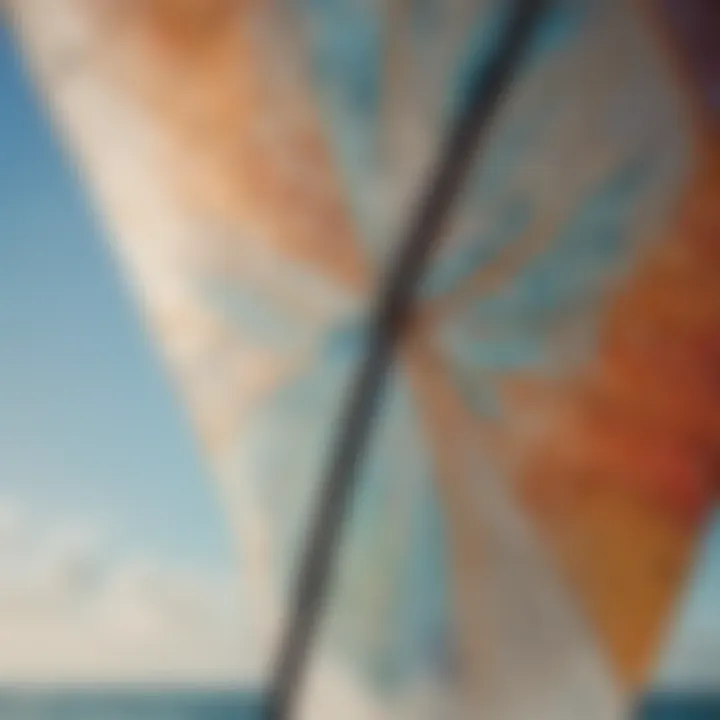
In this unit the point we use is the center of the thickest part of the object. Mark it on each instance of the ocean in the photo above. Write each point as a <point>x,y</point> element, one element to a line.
<point>677,706</point>
<point>98,704</point>
<point>101,704</point>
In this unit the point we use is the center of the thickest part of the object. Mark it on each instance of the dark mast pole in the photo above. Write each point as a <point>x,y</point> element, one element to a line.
<point>391,317</point>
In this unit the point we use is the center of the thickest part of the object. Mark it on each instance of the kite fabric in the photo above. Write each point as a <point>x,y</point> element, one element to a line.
<point>542,465</point>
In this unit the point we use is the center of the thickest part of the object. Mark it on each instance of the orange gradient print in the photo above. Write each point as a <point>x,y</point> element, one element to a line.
<point>624,475</point>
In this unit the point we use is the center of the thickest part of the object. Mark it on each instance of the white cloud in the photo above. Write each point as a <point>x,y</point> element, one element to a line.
<point>67,613</point>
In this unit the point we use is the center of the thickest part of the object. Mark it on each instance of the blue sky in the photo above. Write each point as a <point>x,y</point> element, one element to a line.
<point>88,423</point>
<point>90,430</point>
<point>108,519</point>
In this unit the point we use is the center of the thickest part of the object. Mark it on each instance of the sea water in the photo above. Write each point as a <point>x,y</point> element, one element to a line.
<point>99,704</point>
<point>681,706</point>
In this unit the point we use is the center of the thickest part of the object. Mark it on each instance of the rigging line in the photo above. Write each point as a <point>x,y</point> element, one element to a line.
<point>390,320</point>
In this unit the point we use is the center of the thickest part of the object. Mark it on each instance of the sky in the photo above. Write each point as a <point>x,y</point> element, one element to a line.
<point>103,494</point>
<point>77,368</point>
<point>104,500</point>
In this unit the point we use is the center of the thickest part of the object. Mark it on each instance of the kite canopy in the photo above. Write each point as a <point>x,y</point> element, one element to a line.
<point>541,466</point>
